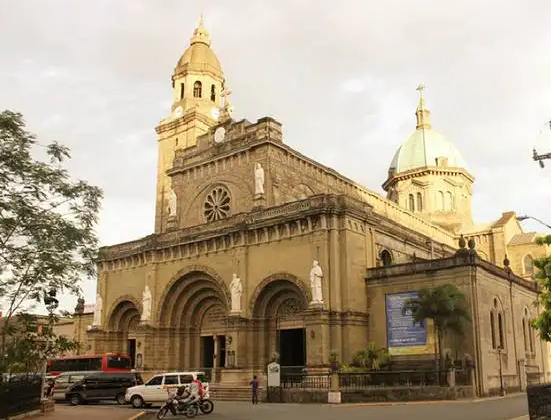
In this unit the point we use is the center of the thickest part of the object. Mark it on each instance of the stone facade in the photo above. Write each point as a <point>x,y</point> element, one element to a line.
<point>212,223</point>
<point>501,306</point>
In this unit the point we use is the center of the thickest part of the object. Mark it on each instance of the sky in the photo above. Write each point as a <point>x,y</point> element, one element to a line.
<point>340,76</point>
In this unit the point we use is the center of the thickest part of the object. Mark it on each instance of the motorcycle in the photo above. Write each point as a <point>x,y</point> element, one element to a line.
<point>190,409</point>
<point>206,405</point>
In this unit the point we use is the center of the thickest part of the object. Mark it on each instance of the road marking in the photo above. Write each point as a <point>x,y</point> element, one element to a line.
<point>137,416</point>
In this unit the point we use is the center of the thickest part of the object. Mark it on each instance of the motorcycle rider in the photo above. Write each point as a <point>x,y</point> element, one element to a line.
<point>196,390</point>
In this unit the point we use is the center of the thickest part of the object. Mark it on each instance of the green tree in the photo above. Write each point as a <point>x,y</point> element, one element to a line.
<point>370,358</point>
<point>543,276</point>
<point>32,341</point>
<point>47,221</point>
<point>446,306</point>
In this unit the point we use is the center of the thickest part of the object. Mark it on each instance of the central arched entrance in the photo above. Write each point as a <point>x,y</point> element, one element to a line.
<point>123,322</point>
<point>279,309</point>
<point>194,313</point>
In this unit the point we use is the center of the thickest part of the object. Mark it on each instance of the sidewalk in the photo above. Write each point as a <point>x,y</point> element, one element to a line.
<point>99,412</point>
<point>434,402</point>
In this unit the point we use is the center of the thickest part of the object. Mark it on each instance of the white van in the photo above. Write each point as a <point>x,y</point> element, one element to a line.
<point>155,391</point>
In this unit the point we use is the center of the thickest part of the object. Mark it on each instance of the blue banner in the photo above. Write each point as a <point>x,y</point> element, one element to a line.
<point>399,328</point>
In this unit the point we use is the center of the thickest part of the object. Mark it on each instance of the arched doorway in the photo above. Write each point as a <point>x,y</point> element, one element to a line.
<point>194,312</point>
<point>124,320</point>
<point>279,311</point>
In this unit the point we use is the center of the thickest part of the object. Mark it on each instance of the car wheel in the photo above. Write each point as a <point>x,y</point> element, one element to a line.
<point>75,399</point>
<point>137,401</point>
<point>120,399</point>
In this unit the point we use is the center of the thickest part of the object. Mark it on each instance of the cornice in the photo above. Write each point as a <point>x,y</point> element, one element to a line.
<point>428,170</point>
<point>381,274</point>
<point>326,204</point>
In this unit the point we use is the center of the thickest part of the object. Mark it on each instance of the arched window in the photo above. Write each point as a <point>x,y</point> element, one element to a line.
<point>449,201</point>
<point>440,200</point>
<point>419,201</point>
<point>500,327</point>
<point>212,93</point>
<point>386,258</point>
<point>493,329</point>
<point>197,89</point>
<point>531,336</point>
<point>528,265</point>
<point>182,91</point>
<point>411,202</point>
<point>525,335</point>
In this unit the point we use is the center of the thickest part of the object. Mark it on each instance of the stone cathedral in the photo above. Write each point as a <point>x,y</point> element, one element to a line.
<point>259,251</point>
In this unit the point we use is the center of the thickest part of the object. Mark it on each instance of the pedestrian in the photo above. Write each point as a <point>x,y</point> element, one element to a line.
<point>254,389</point>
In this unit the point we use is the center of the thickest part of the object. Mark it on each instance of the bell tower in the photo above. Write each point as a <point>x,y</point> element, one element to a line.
<point>197,93</point>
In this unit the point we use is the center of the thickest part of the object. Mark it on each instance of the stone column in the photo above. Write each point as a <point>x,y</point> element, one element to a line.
<point>317,337</point>
<point>147,348</point>
<point>451,378</point>
<point>523,379</point>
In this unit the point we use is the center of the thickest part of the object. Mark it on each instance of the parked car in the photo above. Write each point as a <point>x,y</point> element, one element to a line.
<point>155,391</point>
<point>64,381</point>
<point>102,386</point>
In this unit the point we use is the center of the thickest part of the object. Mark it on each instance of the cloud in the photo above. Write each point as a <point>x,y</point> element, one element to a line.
<point>340,76</point>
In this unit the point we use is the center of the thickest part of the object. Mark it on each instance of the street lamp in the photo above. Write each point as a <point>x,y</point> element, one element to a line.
<point>540,158</point>
<point>525,217</point>
<point>501,387</point>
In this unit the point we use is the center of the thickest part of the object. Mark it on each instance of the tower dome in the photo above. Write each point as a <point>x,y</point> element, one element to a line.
<point>427,176</point>
<point>199,56</point>
<point>426,146</point>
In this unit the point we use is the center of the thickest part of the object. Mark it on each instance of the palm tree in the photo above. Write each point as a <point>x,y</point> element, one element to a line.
<point>371,358</point>
<point>446,306</point>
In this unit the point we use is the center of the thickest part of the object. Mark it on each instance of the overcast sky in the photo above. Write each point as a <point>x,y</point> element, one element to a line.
<point>340,76</point>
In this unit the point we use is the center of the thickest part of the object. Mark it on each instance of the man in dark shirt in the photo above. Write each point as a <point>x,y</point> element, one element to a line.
<point>254,388</point>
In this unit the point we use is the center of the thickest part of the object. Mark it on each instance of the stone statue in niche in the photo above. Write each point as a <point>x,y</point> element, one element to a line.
<point>236,290</point>
<point>146,304</point>
<point>316,274</point>
<point>172,203</point>
<point>259,179</point>
<point>98,307</point>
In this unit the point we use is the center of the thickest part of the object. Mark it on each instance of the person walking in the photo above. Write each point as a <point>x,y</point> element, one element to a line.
<point>254,389</point>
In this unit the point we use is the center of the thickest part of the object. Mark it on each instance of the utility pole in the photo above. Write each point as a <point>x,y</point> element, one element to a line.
<point>540,158</point>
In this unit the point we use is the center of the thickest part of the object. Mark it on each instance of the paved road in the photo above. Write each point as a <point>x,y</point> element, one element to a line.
<point>497,409</point>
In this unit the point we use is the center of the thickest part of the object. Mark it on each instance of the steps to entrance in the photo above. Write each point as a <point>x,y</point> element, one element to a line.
<point>228,392</point>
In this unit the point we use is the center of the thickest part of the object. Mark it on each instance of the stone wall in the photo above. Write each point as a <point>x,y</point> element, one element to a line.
<point>396,394</point>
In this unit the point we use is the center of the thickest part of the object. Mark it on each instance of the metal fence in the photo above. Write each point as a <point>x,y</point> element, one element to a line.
<point>539,401</point>
<point>21,396</point>
<point>304,381</point>
<point>354,382</point>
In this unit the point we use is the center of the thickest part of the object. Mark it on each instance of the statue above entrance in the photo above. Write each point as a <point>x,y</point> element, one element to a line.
<point>259,179</point>
<point>146,304</point>
<point>236,289</point>
<point>316,274</point>
<point>97,311</point>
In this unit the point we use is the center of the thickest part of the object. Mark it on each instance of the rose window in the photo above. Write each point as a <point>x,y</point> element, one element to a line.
<point>217,204</point>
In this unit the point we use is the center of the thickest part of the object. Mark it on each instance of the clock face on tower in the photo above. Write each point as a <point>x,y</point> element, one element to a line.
<point>219,135</point>
<point>178,112</point>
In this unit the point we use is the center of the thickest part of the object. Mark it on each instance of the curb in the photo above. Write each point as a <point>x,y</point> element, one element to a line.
<point>434,402</point>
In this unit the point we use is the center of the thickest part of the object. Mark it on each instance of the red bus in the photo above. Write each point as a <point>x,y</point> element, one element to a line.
<point>108,362</point>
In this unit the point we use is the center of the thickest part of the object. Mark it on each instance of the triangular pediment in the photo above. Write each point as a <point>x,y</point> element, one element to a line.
<point>420,183</point>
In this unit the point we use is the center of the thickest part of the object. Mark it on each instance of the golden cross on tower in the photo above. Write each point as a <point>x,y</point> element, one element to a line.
<point>421,90</point>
